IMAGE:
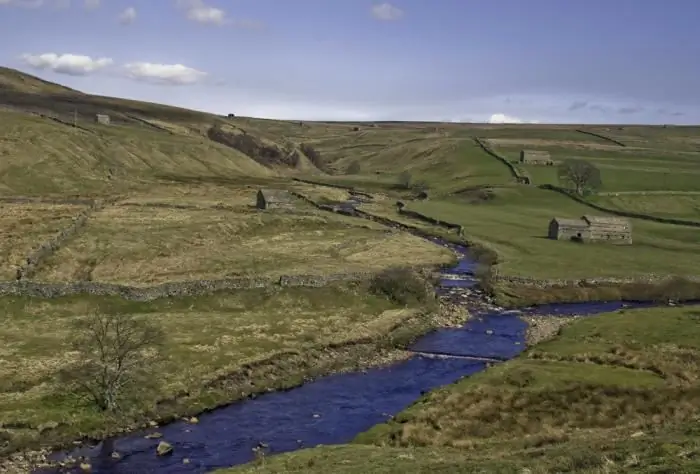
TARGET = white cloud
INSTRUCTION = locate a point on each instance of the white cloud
(197, 10)
(91, 4)
(174, 74)
(503, 118)
(128, 16)
(71, 64)
(23, 3)
(386, 12)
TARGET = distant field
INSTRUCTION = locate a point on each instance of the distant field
(514, 223)
(24, 227)
(616, 392)
(148, 245)
(207, 337)
(675, 205)
(622, 169)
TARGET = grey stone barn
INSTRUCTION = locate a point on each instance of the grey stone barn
(274, 199)
(535, 157)
(592, 229)
(102, 119)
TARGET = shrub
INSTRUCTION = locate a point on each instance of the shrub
(402, 286)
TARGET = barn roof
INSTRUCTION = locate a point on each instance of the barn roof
(570, 222)
(276, 195)
(606, 220)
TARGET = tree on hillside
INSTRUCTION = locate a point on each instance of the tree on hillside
(581, 175)
(354, 167)
(116, 353)
(405, 180)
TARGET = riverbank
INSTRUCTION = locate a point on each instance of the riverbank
(617, 392)
(379, 344)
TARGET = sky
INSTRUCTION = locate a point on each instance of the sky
(548, 61)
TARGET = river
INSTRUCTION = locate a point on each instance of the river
(336, 408)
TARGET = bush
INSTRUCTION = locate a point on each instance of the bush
(402, 286)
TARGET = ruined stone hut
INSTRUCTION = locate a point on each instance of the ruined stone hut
(102, 119)
(274, 199)
(535, 157)
(592, 229)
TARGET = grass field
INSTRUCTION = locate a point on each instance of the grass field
(23, 227)
(617, 392)
(205, 337)
(676, 205)
(514, 224)
(147, 245)
(622, 169)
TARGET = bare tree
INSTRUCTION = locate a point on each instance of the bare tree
(116, 353)
(582, 175)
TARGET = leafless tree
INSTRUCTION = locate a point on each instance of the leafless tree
(582, 175)
(116, 353)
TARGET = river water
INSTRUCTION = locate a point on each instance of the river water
(334, 409)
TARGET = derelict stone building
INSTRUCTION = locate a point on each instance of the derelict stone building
(273, 199)
(102, 119)
(592, 229)
(535, 157)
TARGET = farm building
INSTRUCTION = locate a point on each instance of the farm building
(273, 199)
(535, 157)
(591, 229)
(102, 119)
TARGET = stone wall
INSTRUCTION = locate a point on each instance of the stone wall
(602, 137)
(583, 282)
(178, 289)
(350, 189)
(430, 220)
(633, 215)
(520, 175)
(48, 248)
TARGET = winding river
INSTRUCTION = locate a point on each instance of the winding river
(335, 409)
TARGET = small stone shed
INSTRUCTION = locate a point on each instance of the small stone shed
(535, 157)
(592, 229)
(274, 199)
(102, 119)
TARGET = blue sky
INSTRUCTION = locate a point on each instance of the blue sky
(575, 61)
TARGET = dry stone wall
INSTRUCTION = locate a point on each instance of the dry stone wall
(520, 175)
(602, 137)
(48, 248)
(175, 289)
(586, 282)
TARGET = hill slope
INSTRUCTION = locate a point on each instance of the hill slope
(50, 142)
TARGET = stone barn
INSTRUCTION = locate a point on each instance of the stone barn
(274, 199)
(535, 157)
(592, 229)
(102, 119)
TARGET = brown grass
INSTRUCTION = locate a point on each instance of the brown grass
(144, 246)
